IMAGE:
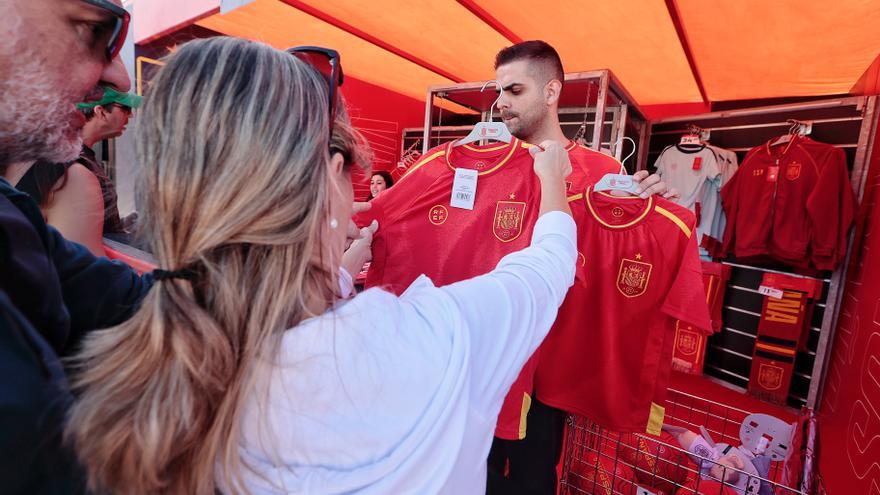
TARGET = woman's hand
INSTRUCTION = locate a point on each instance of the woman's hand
(551, 161)
(552, 166)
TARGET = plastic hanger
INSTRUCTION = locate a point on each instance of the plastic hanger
(796, 128)
(496, 131)
(621, 181)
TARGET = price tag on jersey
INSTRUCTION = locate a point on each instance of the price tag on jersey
(698, 163)
(464, 189)
(772, 173)
(770, 291)
(690, 139)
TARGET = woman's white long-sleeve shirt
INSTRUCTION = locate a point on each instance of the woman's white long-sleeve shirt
(391, 395)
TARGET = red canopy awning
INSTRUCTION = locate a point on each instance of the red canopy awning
(672, 51)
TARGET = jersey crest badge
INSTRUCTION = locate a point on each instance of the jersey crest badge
(633, 277)
(687, 341)
(793, 171)
(507, 224)
(770, 376)
(438, 214)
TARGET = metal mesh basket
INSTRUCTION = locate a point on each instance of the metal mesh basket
(599, 461)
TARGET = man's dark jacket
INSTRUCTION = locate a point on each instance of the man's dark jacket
(52, 293)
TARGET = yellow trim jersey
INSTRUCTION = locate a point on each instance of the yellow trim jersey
(609, 354)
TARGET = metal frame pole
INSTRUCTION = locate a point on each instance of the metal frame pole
(599, 121)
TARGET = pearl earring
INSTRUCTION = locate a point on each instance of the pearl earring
(333, 223)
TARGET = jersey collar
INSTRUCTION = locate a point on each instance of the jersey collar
(511, 147)
(649, 205)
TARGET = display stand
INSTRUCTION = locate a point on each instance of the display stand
(594, 100)
(849, 123)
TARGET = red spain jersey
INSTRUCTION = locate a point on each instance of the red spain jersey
(420, 233)
(608, 356)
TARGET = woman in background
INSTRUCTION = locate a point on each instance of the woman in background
(380, 181)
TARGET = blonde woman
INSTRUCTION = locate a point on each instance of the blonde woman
(244, 370)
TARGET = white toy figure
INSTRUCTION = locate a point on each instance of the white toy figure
(764, 439)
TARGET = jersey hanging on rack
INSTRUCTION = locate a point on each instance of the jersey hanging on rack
(609, 354)
(710, 243)
(421, 233)
(695, 173)
(791, 202)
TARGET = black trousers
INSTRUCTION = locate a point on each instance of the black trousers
(528, 466)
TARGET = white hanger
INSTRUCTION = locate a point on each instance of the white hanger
(621, 181)
(496, 131)
(631, 152)
(796, 128)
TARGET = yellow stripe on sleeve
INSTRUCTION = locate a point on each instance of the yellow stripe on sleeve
(677, 221)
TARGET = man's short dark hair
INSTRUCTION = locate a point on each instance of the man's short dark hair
(536, 51)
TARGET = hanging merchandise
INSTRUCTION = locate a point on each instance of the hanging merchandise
(608, 356)
(692, 168)
(791, 202)
(711, 242)
(785, 316)
(455, 214)
(690, 342)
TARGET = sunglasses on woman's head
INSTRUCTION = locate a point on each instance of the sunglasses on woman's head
(117, 32)
(327, 62)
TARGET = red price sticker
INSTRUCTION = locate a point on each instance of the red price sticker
(772, 173)
(698, 162)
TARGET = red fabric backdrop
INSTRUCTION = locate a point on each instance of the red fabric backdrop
(849, 421)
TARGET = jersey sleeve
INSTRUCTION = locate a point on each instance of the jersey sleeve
(830, 208)
(660, 163)
(730, 194)
(686, 299)
(387, 209)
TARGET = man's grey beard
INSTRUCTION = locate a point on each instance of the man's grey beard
(34, 112)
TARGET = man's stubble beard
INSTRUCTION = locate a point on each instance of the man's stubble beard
(35, 120)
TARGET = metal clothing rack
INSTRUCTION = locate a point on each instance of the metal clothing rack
(611, 113)
(849, 123)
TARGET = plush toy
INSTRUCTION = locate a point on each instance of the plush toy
(764, 439)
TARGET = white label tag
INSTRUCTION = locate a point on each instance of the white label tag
(464, 189)
(770, 291)
(690, 139)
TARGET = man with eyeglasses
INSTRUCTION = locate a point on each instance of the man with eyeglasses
(54, 54)
(106, 118)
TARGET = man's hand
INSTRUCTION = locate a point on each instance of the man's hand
(650, 185)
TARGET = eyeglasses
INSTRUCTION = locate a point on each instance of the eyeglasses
(327, 62)
(120, 28)
(126, 110)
